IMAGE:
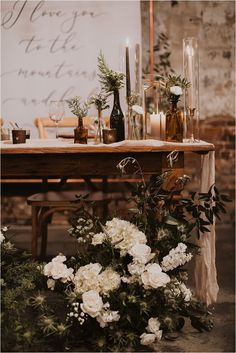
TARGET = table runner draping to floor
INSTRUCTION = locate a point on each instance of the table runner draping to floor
(205, 269)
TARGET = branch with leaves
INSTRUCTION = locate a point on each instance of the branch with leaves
(110, 80)
(78, 108)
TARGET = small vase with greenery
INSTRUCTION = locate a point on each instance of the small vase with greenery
(111, 81)
(174, 118)
(80, 110)
(100, 102)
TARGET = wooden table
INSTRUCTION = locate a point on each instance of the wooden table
(63, 159)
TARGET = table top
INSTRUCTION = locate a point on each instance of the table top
(44, 146)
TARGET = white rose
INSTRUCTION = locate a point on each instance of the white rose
(176, 90)
(98, 239)
(154, 277)
(147, 339)
(141, 253)
(92, 303)
(51, 283)
(153, 325)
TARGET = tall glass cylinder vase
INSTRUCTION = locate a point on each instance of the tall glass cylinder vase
(191, 94)
(150, 104)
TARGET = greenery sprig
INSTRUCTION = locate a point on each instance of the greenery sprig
(100, 101)
(110, 80)
(78, 108)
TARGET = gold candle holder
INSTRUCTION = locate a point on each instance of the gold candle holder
(189, 125)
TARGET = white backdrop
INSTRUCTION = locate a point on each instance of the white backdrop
(49, 51)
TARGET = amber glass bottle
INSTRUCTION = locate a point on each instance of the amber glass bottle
(174, 124)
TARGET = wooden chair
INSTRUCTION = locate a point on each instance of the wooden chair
(44, 205)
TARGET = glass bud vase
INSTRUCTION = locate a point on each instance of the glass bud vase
(174, 124)
(117, 118)
(98, 133)
(80, 132)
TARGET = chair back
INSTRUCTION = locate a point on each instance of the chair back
(42, 123)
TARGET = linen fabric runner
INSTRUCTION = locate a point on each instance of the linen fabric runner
(205, 273)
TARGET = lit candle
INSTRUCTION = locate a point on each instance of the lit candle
(128, 90)
(190, 53)
(163, 125)
(155, 122)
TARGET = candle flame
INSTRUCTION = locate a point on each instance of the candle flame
(127, 42)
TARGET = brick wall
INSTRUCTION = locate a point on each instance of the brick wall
(213, 23)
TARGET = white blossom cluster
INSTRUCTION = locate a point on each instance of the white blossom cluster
(176, 257)
(154, 334)
(90, 277)
(122, 234)
(57, 270)
(75, 314)
(82, 229)
(2, 236)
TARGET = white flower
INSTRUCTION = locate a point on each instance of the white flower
(147, 338)
(92, 303)
(176, 257)
(176, 90)
(124, 235)
(109, 280)
(154, 277)
(86, 278)
(186, 292)
(51, 283)
(137, 109)
(136, 268)
(57, 270)
(153, 325)
(141, 253)
(2, 238)
(106, 317)
(98, 238)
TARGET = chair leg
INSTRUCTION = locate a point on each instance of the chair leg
(34, 236)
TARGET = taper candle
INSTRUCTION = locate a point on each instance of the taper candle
(151, 38)
(128, 90)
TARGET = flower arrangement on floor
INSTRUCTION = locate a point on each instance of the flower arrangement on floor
(125, 288)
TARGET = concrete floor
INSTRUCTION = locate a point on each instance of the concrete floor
(222, 337)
